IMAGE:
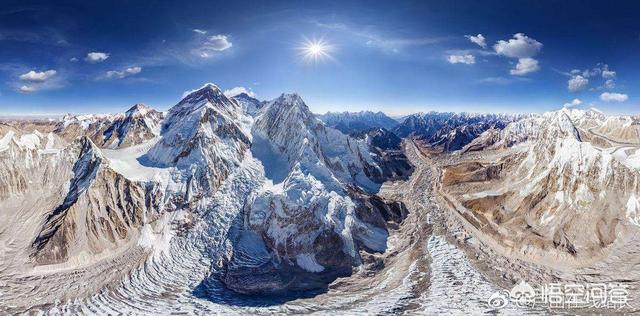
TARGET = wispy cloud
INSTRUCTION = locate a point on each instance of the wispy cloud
(212, 45)
(39, 35)
(574, 102)
(478, 40)
(461, 59)
(501, 80)
(374, 39)
(120, 74)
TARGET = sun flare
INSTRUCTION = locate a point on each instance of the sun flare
(315, 50)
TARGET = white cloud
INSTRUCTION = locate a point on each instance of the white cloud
(73, 59)
(610, 84)
(574, 102)
(520, 46)
(478, 39)
(462, 59)
(238, 90)
(613, 97)
(43, 80)
(600, 71)
(123, 73)
(606, 73)
(27, 89)
(591, 72)
(96, 57)
(199, 31)
(37, 76)
(213, 45)
(525, 66)
(577, 83)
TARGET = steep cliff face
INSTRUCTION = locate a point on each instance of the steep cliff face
(315, 212)
(101, 211)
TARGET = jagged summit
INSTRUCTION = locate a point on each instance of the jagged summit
(207, 93)
(249, 104)
(206, 128)
(243, 95)
(287, 115)
(291, 100)
(139, 109)
(208, 96)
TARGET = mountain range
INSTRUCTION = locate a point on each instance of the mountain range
(354, 122)
(226, 199)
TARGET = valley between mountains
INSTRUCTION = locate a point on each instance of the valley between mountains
(231, 205)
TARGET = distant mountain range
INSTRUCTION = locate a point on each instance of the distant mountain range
(445, 130)
(451, 131)
(354, 122)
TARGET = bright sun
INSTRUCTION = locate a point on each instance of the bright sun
(315, 50)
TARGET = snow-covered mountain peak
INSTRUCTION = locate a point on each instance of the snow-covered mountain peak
(562, 123)
(206, 130)
(88, 147)
(208, 96)
(249, 104)
(137, 110)
(292, 106)
(243, 95)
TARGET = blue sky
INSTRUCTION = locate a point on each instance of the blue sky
(398, 57)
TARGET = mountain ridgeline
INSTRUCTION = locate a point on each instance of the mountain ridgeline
(232, 202)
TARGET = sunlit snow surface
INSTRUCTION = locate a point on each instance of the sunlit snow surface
(180, 277)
